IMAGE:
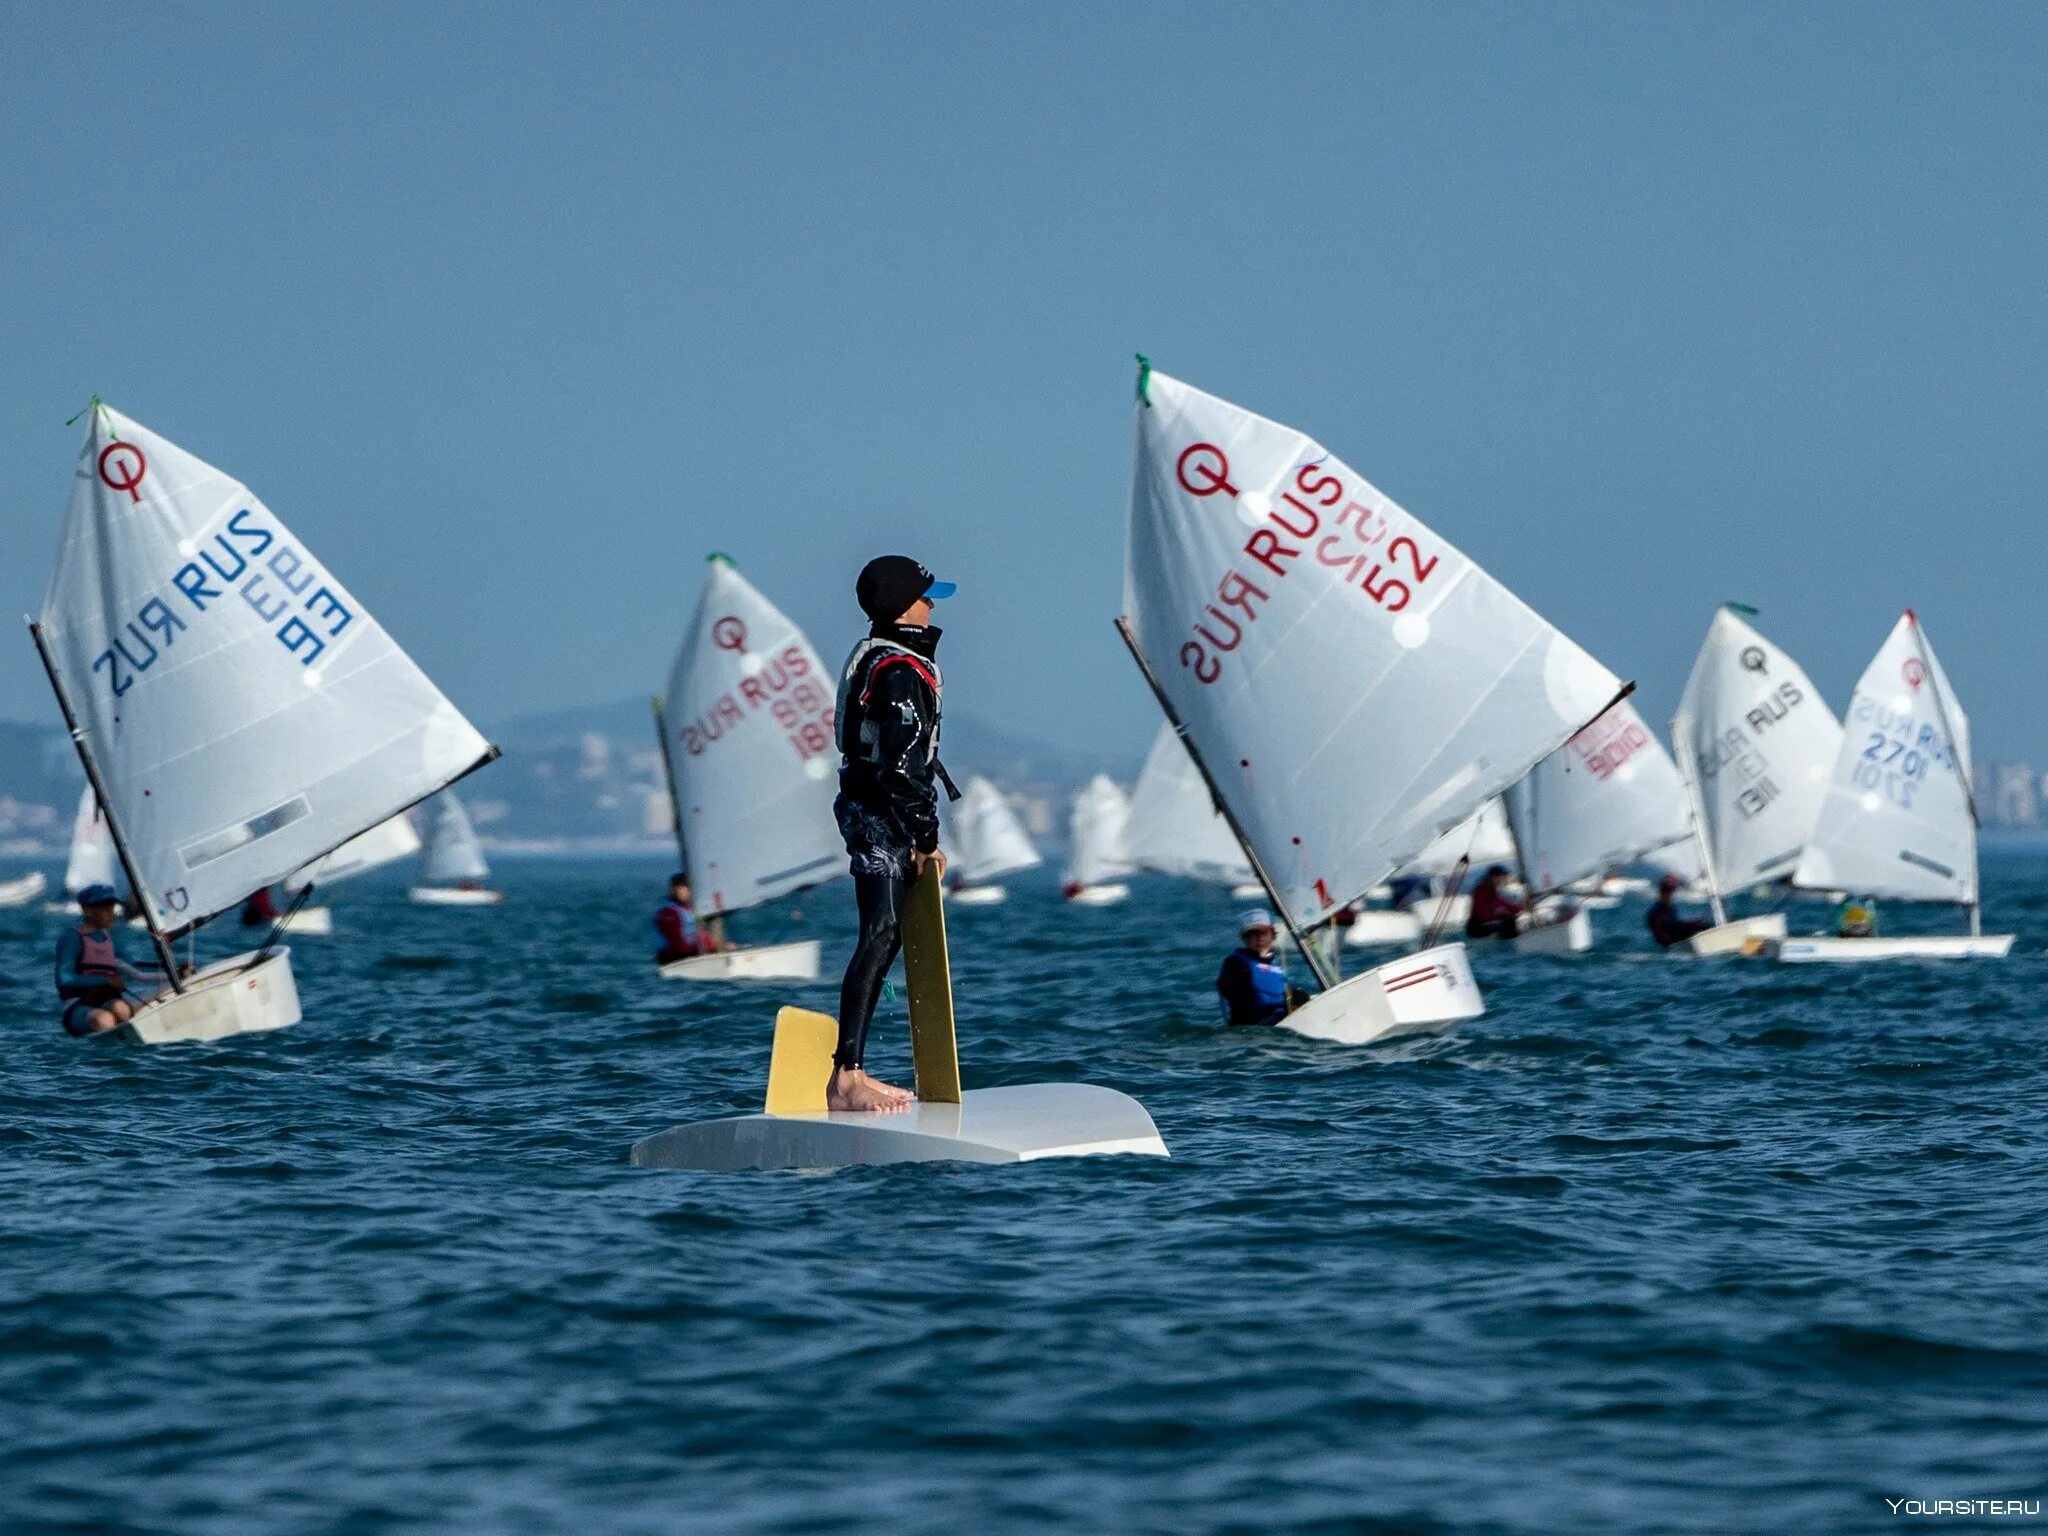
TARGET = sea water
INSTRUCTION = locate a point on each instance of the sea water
(1657, 1244)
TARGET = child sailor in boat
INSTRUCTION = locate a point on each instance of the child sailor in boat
(1857, 919)
(1253, 983)
(1664, 923)
(676, 921)
(1495, 914)
(888, 805)
(92, 978)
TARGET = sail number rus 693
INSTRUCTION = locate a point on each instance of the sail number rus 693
(1316, 516)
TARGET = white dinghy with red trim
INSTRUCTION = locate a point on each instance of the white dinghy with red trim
(1349, 684)
(746, 738)
(240, 715)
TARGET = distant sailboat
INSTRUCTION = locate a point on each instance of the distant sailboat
(746, 734)
(386, 843)
(238, 712)
(1350, 685)
(1096, 863)
(1899, 821)
(1174, 827)
(454, 870)
(1754, 742)
(91, 860)
(1608, 797)
(987, 843)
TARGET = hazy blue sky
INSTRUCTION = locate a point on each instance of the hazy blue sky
(513, 313)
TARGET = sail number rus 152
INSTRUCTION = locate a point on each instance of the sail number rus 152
(1314, 517)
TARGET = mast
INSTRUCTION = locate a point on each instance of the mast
(1325, 973)
(92, 775)
(1955, 763)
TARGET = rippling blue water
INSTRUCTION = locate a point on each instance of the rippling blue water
(1656, 1244)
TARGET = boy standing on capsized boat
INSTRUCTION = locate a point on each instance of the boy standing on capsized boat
(888, 805)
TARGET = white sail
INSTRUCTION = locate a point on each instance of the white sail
(1608, 797)
(92, 859)
(1482, 838)
(751, 750)
(1354, 684)
(245, 712)
(1174, 827)
(1095, 854)
(1755, 742)
(1897, 820)
(991, 841)
(385, 843)
(453, 853)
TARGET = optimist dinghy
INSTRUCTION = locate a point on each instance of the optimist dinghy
(239, 713)
(1609, 796)
(455, 869)
(746, 737)
(1899, 821)
(1349, 684)
(91, 861)
(947, 1124)
(988, 842)
(1096, 861)
(1754, 741)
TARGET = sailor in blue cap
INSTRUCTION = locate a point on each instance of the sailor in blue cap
(92, 978)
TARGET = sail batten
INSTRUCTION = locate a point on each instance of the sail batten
(1265, 580)
(244, 712)
(751, 751)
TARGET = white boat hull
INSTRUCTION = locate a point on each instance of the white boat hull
(1252, 891)
(795, 961)
(977, 896)
(232, 997)
(1737, 937)
(454, 896)
(1953, 946)
(989, 1125)
(1573, 936)
(19, 893)
(1377, 929)
(1099, 895)
(314, 922)
(1407, 996)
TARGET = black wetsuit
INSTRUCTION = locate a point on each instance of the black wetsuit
(888, 805)
(1667, 927)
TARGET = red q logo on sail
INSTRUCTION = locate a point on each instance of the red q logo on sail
(729, 634)
(122, 466)
(1914, 671)
(1204, 470)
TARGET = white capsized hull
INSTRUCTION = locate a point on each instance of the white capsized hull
(989, 1125)
(1953, 946)
(241, 996)
(19, 893)
(1736, 938)
(1099, 895)
(1377, 929)
(454, 896)
(1573, 936)
(1416, 993)
(977, 896)
(795, 961)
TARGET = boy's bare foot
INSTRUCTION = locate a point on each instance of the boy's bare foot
(900, 1095)
(857, 1091)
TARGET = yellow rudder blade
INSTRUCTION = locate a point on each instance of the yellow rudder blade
(800, 1062)
(934, 1046)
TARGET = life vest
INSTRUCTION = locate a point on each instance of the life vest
(859, 737)
(687, 923)
(1269, 982)
(99, 957)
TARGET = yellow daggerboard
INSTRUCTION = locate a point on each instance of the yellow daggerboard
(800, 1062)
(934, 1047)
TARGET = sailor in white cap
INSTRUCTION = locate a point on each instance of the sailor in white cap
(1253, 984)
